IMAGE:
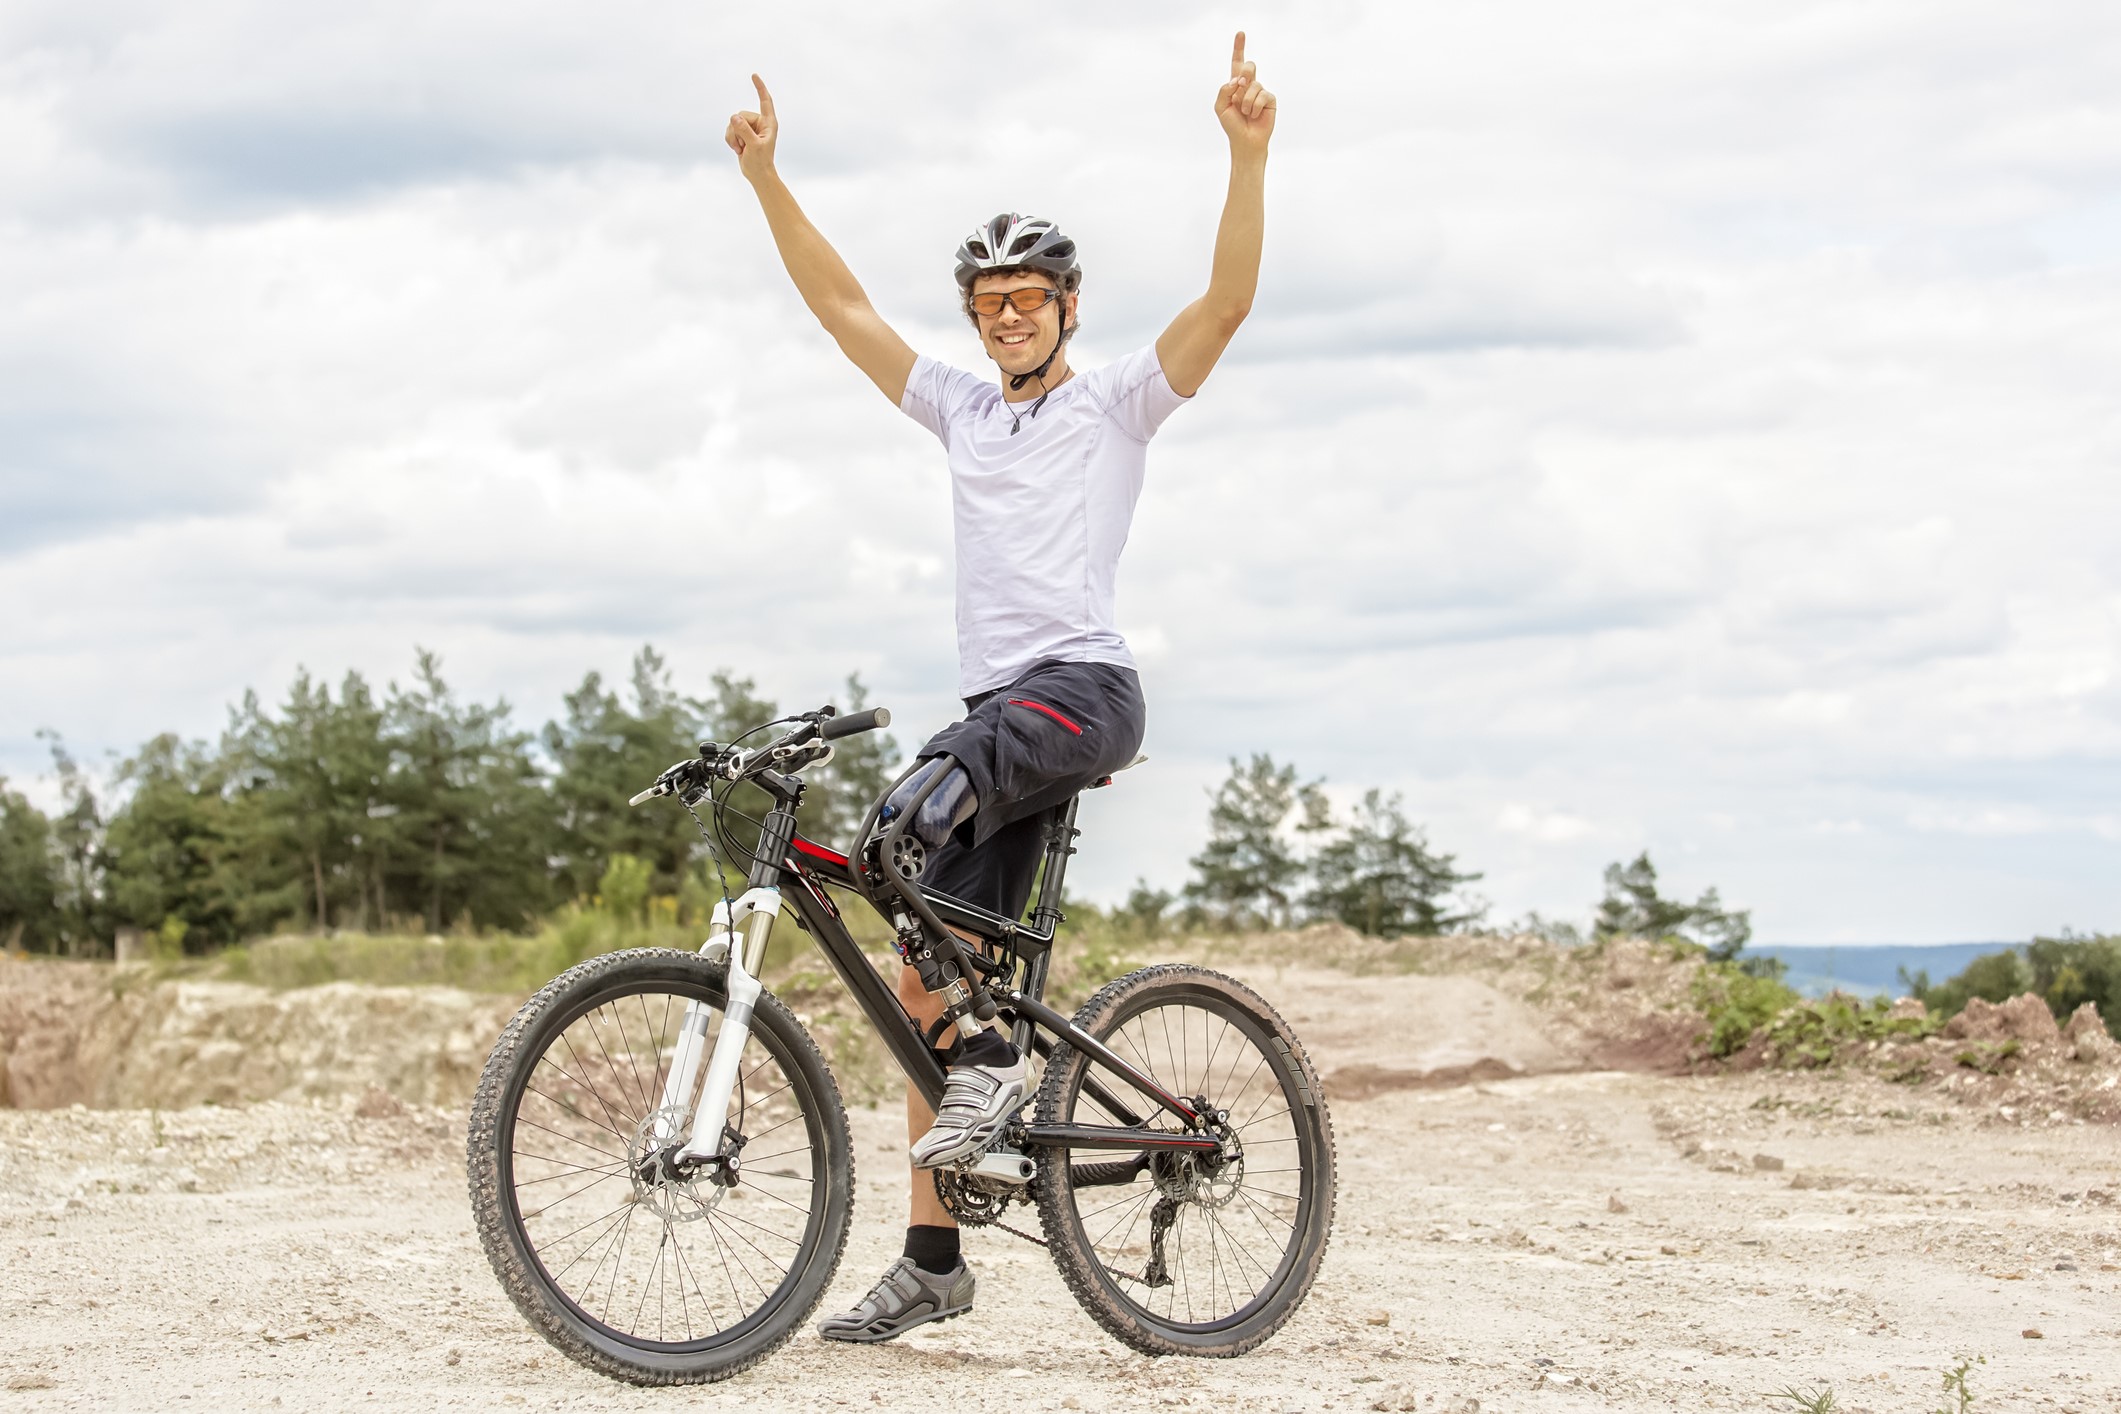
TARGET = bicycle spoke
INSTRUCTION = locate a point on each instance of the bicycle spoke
(1182, 1226)
(700, 1265)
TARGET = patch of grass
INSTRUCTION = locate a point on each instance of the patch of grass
(492, 962)
(1819, 1401)
(1988, 1056)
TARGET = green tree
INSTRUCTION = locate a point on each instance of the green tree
(167, 854)
(603, 752)
(2071, 970)
(734, 709)
(1246, 874)
(2064, 972)
(1993, 977)
(1380, 877)
(1632, 907)
(843, 790)
(623, 891)
(1146, 909)
(471, 819)
(77, 854)
(312, 823)
(29, 892)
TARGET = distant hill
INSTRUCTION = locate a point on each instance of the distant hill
(1873, 968)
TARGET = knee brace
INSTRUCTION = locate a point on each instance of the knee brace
(951, 804)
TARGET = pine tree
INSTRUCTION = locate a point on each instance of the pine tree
(861, 767)
(1632, 907)
(167, 849)
(472, 826)
(1246, 874)
(1380, 877)
(77, 857)
(29, 892)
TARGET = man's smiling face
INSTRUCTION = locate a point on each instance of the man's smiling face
(1016, 341)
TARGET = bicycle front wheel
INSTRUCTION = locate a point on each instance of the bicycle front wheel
(1173, 1252)
(622, 1259)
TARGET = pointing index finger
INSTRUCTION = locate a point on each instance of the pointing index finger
(1237, 54)
(765, 98)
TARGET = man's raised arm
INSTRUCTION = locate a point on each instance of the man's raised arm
(1196, 339)
(820, 276)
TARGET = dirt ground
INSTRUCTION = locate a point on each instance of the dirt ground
(1559, 1240)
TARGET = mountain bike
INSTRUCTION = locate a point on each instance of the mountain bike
(659, 1159)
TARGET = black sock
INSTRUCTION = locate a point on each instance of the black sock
(987, 1048)
(936, 1250)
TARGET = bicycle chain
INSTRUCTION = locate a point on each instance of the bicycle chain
(945, 1192)
(967, 1218)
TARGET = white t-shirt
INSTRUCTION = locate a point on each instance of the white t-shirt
(1041, 516)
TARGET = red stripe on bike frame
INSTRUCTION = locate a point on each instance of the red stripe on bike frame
(1042, 707)
(818, 851)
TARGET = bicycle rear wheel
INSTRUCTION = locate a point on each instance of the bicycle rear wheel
(1171, 1253)
(622, 1261)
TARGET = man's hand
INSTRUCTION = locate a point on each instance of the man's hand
(1245, 109)
(752, 136)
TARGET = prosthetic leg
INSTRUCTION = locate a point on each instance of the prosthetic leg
(988, 1075)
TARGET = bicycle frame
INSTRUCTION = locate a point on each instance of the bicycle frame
(790, 872)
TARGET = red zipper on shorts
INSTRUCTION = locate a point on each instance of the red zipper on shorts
(1042, 707)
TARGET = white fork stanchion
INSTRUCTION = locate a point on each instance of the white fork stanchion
(752, 920)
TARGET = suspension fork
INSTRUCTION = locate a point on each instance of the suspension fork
(742, 932)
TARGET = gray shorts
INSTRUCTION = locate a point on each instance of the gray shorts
(1030, 748)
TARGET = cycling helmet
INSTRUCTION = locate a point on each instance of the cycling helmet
(1013, 242)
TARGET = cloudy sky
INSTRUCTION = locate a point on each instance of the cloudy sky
(1668, 426)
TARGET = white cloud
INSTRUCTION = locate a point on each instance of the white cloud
(1701, 418)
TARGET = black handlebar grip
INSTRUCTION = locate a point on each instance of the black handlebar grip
(855, 723)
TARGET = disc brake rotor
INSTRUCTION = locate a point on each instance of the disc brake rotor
(658, 1185)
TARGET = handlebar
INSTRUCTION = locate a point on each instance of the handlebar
(854, 723)
(812, 731)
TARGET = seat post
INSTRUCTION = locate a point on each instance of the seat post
(1060, 843)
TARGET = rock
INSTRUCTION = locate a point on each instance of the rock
(378, 1103)
(1378, 1318)
(31, 1379)
(1071, 1402)
(1766, 1163)
(2027, 1018)
(2032, 1333)
(1980, 1021)
(1614, 1205)
(2087, 1034)
(1908, 1009)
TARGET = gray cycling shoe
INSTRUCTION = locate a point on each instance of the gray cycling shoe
(977, 1102)
(905, 1298)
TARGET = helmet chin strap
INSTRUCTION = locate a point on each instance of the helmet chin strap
(1018, 380)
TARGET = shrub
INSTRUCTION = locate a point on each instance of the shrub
(1737, 1004)
(1810, 1033)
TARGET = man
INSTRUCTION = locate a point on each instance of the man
(1045, 469)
